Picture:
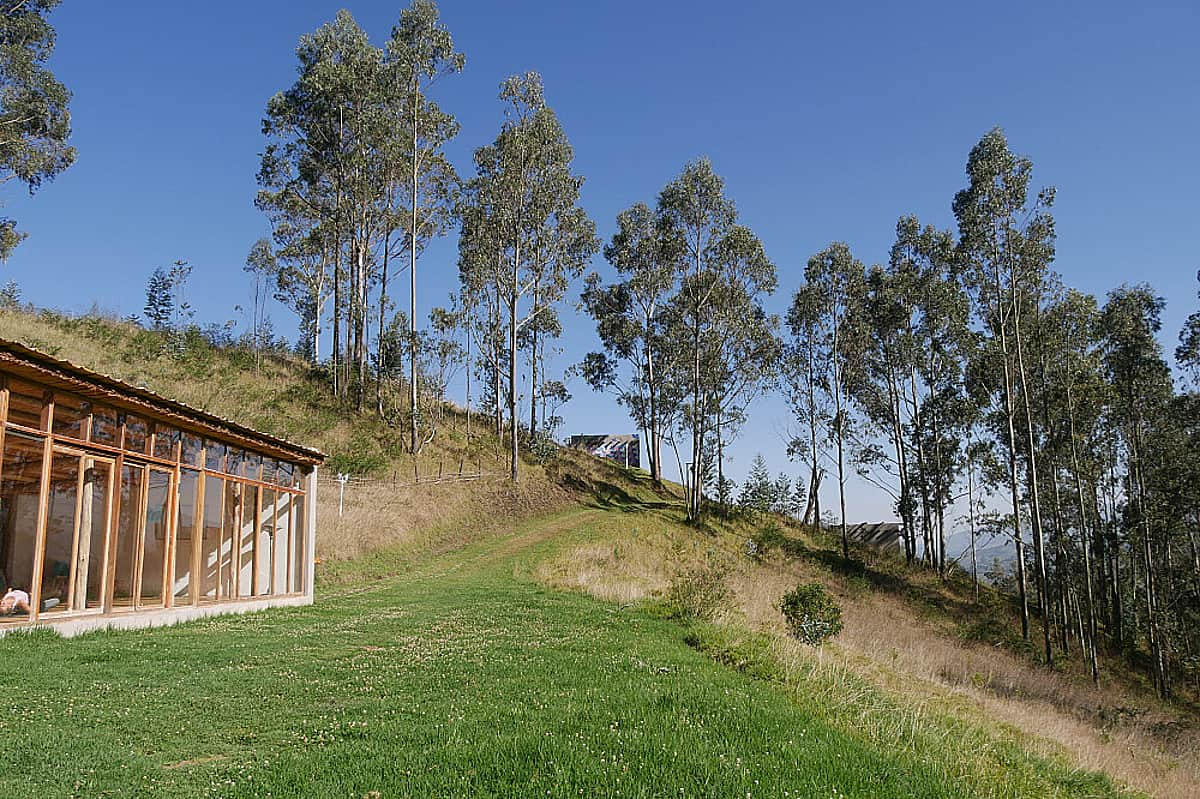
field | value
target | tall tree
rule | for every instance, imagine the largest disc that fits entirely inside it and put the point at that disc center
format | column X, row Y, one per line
column 829, row 307
column 34, row 114
column 419, row 53
column 523, row 223
column 1141, row 383
column 695, row 209
column 1006, row 241
column 630, row 318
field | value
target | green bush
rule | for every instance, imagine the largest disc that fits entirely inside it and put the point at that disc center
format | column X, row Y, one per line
column 697, row 594
column 812, row 615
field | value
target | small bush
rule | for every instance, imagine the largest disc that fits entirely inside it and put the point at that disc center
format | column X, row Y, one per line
column 697, row 594
column 812, row 615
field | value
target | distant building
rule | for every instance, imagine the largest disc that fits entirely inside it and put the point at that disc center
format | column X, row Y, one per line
column 625, row 450
column 882, row 535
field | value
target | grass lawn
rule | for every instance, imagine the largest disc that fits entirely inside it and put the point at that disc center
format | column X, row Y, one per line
column 456, row 679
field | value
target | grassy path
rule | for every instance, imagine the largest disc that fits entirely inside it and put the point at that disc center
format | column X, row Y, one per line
column 456, row 679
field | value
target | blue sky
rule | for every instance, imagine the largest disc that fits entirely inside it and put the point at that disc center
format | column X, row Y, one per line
column 828, row 121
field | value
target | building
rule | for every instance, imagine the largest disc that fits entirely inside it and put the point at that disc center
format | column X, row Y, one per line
column 122, row 508
column 881, row 535
column 620, row 448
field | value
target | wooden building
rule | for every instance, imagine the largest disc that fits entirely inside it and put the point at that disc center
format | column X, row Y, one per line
column 122, row 508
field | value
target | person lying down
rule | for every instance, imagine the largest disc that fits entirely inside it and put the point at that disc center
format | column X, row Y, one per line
column 17, row 601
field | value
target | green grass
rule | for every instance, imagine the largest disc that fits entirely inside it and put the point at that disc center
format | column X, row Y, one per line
column 457, row 678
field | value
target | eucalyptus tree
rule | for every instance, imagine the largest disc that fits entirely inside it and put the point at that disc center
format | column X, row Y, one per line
column 320, row 170
column 418, row 54
column 1079, row 396
column 262, row 268
column 1142, row 390
column 745, row 339
column 694, row 207
column 34, row 105
column 829, row 308
column 1006, row 242
column 630, row 320
column 1187, row 354
column 526, row 235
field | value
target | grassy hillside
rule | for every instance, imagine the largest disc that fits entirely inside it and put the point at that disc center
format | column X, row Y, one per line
column 463, row 677
column 480, row 639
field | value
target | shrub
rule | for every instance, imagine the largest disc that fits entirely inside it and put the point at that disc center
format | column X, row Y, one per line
column 698, row 593
column 812, row 615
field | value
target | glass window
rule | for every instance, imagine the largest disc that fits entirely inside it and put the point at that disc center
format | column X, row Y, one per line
column 185, row 535
column 253, row 465
column 70, row 415
column 280, row 517
column 129, row 520
column 287, row 474
column 215, row 553
column 299, row 539
column 76, row 522
column 237, row 458
column 25, row 403
column 214, row 455
column 20, row 493
column 165, row 439
column 137, row 434
column 270, row 470
column 154, row 537
column 191, row 450
column 105, row 426
column 266, row 542
column 247, row 574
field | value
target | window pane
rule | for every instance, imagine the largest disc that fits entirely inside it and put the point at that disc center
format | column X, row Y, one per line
column 129, row 521
column 165, row 439
column 137, row 434
column 20, row 490
column 281, row 537
column 70, row 415
column 191, row 450
column 286, row 474
column 237, row 457
column 154, row 538
column 266, row 541
column 249, row 540
column 270, row 470
column 60, row 531
column 105, row 426
column 215, row 551
column 299, row 539
column 253, row 465
column 185, row 535
column 214, row 456
column 25, row 401
column 76, row 527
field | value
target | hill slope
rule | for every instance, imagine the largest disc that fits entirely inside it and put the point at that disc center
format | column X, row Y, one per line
column 482, row 639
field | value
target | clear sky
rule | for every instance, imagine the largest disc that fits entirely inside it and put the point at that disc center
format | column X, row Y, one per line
column 827, row 120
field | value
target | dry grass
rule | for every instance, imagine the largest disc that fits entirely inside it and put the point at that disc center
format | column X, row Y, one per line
column 1114, row 728
column 408, row 521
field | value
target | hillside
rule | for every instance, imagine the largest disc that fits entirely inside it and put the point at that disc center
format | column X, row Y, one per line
column 477, row 639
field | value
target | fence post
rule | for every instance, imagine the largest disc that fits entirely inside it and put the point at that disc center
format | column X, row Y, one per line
column 342, row 478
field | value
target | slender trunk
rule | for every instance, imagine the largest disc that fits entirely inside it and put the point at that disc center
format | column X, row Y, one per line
column 469, row 320
column 652, row 428
column 383, row 302
column 971, row 522
column 413, row 393
column 1084, row 542
column 533, row 368
column 1039, row 544
column 1015, row 486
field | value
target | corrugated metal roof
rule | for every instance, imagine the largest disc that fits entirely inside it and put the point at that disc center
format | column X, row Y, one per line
column 37, row 357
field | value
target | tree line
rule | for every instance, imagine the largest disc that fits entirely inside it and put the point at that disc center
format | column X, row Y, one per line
column 961, row 376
